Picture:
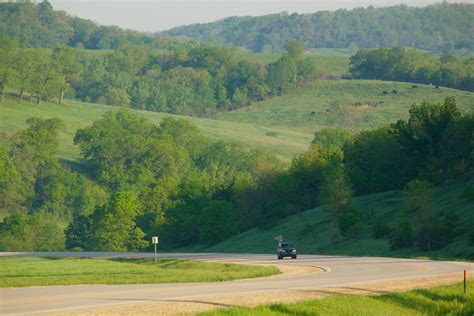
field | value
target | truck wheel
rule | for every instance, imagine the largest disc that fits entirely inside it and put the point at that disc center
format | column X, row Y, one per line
column 280, row 257
column 293, row 257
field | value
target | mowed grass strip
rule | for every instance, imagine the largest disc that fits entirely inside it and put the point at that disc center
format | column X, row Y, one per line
column 35, row 271
column 443, row 300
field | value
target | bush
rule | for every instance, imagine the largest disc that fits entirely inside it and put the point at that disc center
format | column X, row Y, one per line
column 468, row 192
column 350, row 224
column 402, row 236
column 430, row 235
column 381, row 228
column 450, row 227
column 38, row 232
column 471, row 238
column 272, row 133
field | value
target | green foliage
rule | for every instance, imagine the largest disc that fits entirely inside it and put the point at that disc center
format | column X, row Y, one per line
column 315, row 230
column 197, row 81
column 331, row 136
column 381, row 228
column 471, row 238
column 435, row 27
column 335, row 190
column 419, row 196
column 189, row 190
column 368, row 165
column 350, row 224
column 38, row 232
column 424, row 138
column 8, row 61
column 468, row 193
column 402, row 235
column 450, row 227
column 400, row 64
column 38, row 25
column 77, row 232
column 218, row 222
column 113, row 226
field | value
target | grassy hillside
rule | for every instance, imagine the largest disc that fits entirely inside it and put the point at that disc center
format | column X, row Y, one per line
column 282, row 125
column 284, row 144
column 311, row 231
column 351, row 104
column 330, row 61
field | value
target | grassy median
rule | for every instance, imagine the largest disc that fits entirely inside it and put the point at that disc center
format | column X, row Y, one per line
column 443, row 300
column 34, row 271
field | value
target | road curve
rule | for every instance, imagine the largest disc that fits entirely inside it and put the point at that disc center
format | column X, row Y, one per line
column 340, row 271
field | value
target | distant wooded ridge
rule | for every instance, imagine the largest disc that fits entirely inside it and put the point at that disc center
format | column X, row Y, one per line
column 39, row 25
column 435, row 27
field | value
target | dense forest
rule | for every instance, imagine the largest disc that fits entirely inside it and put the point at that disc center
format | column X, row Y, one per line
column 38, row 25
column 400, row 64
column 435, row 27
column 197, row 81
column 138, row 179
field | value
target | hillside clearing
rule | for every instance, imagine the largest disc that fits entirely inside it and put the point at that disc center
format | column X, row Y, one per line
column 285, row 144
column 334, row 103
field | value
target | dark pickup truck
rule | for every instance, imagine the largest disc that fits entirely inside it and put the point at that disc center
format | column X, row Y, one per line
column 286, row 249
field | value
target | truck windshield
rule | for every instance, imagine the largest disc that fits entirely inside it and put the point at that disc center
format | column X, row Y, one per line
column 286, row 245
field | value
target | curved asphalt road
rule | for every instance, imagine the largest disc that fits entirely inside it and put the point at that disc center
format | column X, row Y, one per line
column 340, row 271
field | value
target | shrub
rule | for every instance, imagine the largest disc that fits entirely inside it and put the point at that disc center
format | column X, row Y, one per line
column 402, row 236
column 381, row 228
column 350, row 224
column 450, row 227
column 430, row 236
column 272, row 133
column 471, row 238
column 468, row 192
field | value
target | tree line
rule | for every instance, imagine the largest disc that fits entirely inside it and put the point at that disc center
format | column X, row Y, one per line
column 436, row 27
column 139, row 179
column 409, row 65
column 197, row 81
column 39, row 25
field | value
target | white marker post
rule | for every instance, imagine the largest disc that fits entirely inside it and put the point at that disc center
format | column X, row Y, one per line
column 154, row 240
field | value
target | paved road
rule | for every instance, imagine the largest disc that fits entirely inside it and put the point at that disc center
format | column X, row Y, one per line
column 340, row 271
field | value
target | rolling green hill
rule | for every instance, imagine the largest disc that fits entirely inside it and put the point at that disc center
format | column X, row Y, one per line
column 311, row 231
column 282, row 125
column 285, row 144
column 330, row 61
column 433, row 27
column 353, row 104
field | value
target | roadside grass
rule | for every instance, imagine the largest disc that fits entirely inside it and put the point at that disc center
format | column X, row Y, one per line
column 286, row 145
column 315, row 231
column 35, row 271
column 442, row 300
column 350, row 104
